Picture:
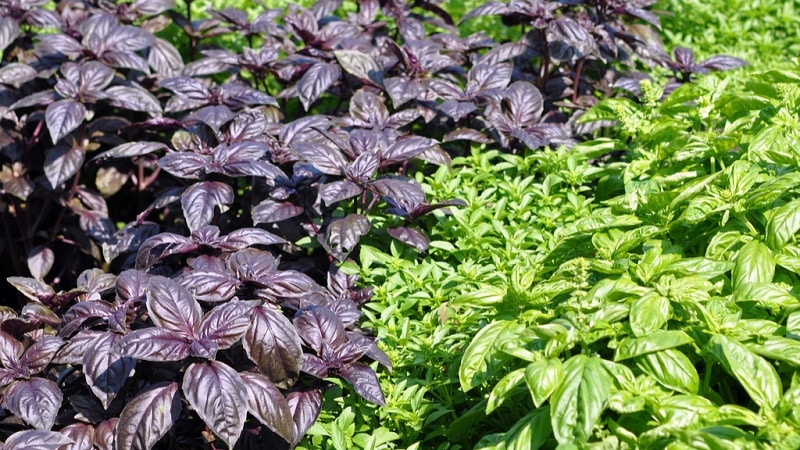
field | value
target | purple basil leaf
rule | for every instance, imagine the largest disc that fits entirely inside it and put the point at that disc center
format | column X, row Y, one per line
column 81, row 434
column 36, row 401
column 569, row 41
column 467, row 134
column 104, row 434
column 216, row 392
column 355, row 346
column 125, row 60
column 457, row 109
column 36, row 440
column 154, row 344
column 161, row 246
column 204, row 67
column 147, row 418
column 226, row 324
column 274, row 345
column 486, row 78
column 722, row 62
column 247, row 237
column 215, row 116
column 405, row 149
column 684, row 57
column 63, row 116
column 305, row 407
column 364, row 381
column 320, row 328
column 40, row 261
column 7, row 376
column 368, row 108
column 342, row 235
column 184, row 164
column 327, row 160
column 10, row 351
column 411, row 237
column 268, row 405
column 504, row 52
column 128, row 38
column 17, row 74
column 532, row 141
column 72, row 352
column 131, row 285
column 172, row 307
column 62, row 163
column 364, row 167
column 187, row 87
column 360, row 65
column 31, row 288
column 40, row 353
column 210, row 286
column 164, row 58
column 200, row 199
column 289, row 284
column 403, row 118
column 380, row 356
column 9, row 30
column 337, row 191
column 487, row 9
column 251, row 264
column 106, row 372
column 95, row 76
column 317, row 79
column 270, row 211
column 131, row 149
column 524, row 104
column 405, row 193
column 83, row 311
column 643, row 14
column 402, row 90
column 133, row 99
column 315, row 366
column 61, row 43
column 36, row 99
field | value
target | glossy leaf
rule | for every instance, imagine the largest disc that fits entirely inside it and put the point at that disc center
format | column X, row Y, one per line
column 36, row 440
column 267, row 404
column 364, row 381
column 105, row 371
column 754, row 264
column 226, row 324
column 672, row 369
column 216, row 392
column 578, row 402
column 62, row 163
column 274, row 345
column 315, row 81
column 147, row 418
column 754, row 373
column 36, row 401
column 62, row 117
column 542, row 378
column 200, row 199
column 172, row 307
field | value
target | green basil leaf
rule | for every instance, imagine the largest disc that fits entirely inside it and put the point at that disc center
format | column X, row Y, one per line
column 783, row 224
column 653, row 342
column 530, row 432
column 754, row 264
column 543, row 377
column 672, row 369
column 503, row 389
column 754, row 373
column 578, row 402
column 780, row 348
column 481, row 352
column 649, row 313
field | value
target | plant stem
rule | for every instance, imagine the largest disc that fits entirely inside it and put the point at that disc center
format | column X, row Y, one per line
column 576, row 81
